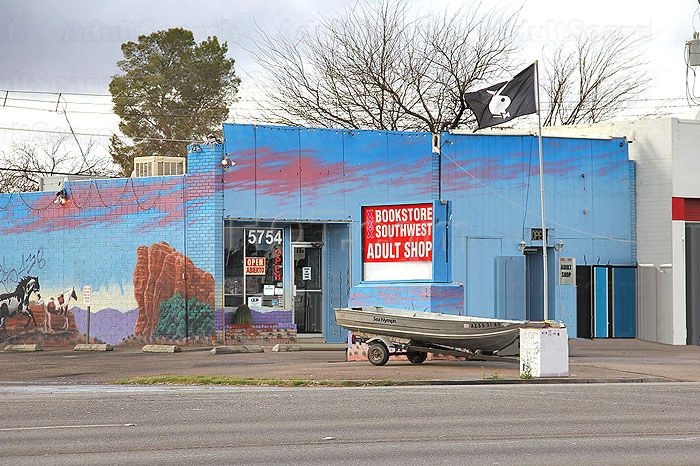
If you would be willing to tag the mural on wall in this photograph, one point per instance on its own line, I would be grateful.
(247, 325)
(17, 302)
(26, 318)
(24, 315)
(175, 301)
(59, 311)
(175, 298)
(328, 174)
(101, 237)
(97, 239)
(9, 275)
(321, 173)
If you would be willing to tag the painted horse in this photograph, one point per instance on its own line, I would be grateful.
(61, 310)
(17, 302)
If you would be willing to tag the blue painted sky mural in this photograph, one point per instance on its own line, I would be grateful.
(92, 240)
(299, 173)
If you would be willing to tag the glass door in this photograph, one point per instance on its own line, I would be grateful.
(308, 294)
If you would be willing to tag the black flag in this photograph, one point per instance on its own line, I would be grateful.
(504, 101)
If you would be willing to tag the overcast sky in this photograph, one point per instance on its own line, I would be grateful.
(73, 46)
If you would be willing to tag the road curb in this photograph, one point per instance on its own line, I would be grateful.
(543, 381)
(161, 349)
(237, 349)
(25, 348)
(92, 347)
(329, 383)
(286, 348)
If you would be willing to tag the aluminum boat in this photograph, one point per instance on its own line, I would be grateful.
(471, 333)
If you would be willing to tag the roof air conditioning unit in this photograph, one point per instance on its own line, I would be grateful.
(156, 165)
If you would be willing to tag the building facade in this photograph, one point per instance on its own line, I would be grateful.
(668, 222)
(264, 236)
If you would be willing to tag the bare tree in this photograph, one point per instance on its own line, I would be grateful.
(27, 162)
(380, 66)
(593, 78)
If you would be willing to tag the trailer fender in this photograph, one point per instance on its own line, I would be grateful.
(383, 340)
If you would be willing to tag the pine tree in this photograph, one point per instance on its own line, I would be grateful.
(170, 88)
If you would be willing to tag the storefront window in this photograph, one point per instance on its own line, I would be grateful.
(264, 267)
(254, 267)
(307, 233)
(233, 267)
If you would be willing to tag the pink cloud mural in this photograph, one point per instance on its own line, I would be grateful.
(288, 172)
(100, 203)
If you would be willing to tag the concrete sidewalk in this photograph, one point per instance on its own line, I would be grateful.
(600, 360)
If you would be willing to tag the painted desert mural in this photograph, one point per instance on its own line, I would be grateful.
(174, 304)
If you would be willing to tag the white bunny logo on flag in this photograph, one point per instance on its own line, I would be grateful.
(504, 101)
(498, 105)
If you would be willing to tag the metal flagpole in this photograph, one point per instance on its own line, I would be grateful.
(545, 285)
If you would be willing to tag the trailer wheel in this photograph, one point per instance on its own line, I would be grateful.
(378, 354)
(416, 357)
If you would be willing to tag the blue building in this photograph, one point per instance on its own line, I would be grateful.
(265, 235)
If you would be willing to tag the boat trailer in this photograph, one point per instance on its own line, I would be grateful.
(381, 347)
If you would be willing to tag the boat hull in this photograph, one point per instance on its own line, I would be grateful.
(472, 333)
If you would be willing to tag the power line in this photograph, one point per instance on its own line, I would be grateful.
(5, 128)
(110, 104)
(190, 141)
(95, 112)
(671, 103)
(70, 127)
(652, 111)
(88, 94)
(52, 172)
(56, 93)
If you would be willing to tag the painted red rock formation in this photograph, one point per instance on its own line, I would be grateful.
(159, 274)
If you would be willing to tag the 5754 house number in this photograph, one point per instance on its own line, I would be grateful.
(265, 236)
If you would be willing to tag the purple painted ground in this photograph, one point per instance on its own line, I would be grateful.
(109, 325)
(112, 325)
(283, 319)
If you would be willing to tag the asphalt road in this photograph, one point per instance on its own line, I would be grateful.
(497, 424)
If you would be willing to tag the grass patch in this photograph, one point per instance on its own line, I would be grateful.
(247, 381)
(494, 376)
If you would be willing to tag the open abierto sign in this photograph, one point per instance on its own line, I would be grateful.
(397, 242)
